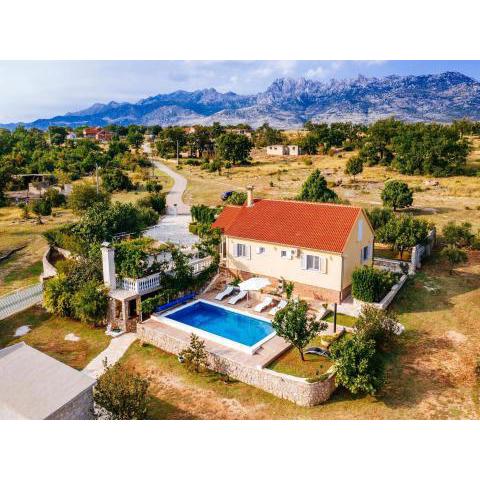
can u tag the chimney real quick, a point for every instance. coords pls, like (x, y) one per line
(250, 196)
(108, 264)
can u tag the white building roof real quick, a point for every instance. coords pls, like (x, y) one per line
(34, 385)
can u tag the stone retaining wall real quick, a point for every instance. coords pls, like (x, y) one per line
(79, 408)
(295, 389)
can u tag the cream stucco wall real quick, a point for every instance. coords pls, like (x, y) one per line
(339, 267)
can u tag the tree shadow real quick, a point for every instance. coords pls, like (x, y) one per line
(159, 409)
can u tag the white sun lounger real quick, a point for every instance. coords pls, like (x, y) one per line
(266, 302)
(281, 304)
(237, 298)
(228, 290)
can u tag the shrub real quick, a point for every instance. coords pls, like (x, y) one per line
(57, 296)
(379, 217)
(378, 325)
(153, 186)
(370, 284)
(237, 198)
(115, 180)
(454, 256)
(41, 207)
(195, 355)
(315, 189)
(122, 394)
(354, 166)
(458, 235)
(84, 196)
(89, 304)
(358, 366)
(55, 198)
(155, 201)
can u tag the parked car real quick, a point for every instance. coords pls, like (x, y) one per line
(225, 195)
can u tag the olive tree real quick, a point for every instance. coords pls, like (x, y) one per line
(397, 194)
(296, 325)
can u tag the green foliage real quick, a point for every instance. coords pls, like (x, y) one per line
(403, 232)
(378, 325)
(309, 144)
(84, 196)
(370, 284)
(288, 287)
(296, 325)
(315, 189)
(155, 201)
(90, 303)
(458, 235)
(153, 186)
(377, 147)
(122, 393)
(134, 138)
(57, 296)
(233, 147)
(379, 217)
(54, 197)
(164, 296)
(237, 198)
(131, 257)
(115, 180)
(354, 166)
(266, 135)
(396, 194)
(195, 355)
(168, 139)
(358, 366)
(454, 256)
(41, 206)
(203, 214)
(57, 135)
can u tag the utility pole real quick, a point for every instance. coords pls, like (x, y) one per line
(96, 175)
(335, 317)
(177, 152)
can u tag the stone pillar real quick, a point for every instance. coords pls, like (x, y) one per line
(108, 264)
(250, 196)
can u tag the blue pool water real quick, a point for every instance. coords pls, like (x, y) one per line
(234, 326)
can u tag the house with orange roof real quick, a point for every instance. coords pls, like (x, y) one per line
(315, 245)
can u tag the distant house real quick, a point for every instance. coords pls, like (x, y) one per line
(315, 245)
(293, 150)
(240, 131)
(97, 133)
(35, 386)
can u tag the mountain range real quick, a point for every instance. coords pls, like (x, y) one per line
(289, 103)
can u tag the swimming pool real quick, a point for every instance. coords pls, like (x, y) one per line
(220, 324)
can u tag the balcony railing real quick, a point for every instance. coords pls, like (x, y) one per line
(151, 283)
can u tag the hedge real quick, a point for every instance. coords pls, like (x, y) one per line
(370, 284)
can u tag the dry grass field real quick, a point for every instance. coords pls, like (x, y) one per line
(454, 198)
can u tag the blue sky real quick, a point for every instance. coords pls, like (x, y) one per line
(43, 89)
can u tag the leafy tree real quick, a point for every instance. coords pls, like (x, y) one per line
(57, 135)
(454, 256)
(41, 207)
(122, 393)
(57, 296)
(315, 189)
(296, 325)
(168, 139)
(377, 147)
(358, 366)
(458, 235)
(90, 303)
(117, 147)
(6, 171)
(266, 135)
(309, 144)
(237, 198)
(153, 186)
(379, 217)
(84, 196)
(396, 194)
(195, 355)
(131, 257)
(203, 214)
(354, 166)
(135, 139)
(403, 232)
(233, 147)
(115, 180)
(378, 325)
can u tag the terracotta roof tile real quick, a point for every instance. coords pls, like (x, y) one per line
(319, 226)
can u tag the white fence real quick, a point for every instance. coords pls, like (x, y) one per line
(151, 283)
(20, 300)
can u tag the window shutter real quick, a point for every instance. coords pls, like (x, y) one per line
(249, 252)
(323, 265)
(234, 250)
(303, 262)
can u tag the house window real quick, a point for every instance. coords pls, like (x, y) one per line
(365, 253)
(241, 250)
(283, 254)
(260, 250)
(312, 262)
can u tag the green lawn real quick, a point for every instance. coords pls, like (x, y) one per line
(342, 320)
(28, 274)
(48, 335)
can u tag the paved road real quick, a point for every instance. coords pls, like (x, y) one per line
(173, 227)
(20, 300)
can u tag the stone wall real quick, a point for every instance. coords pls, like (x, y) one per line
(80, 408)
(295, 389)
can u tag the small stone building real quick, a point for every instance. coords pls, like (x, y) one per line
(35, 386)
(280, 150)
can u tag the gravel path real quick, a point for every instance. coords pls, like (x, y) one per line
(113, 353)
